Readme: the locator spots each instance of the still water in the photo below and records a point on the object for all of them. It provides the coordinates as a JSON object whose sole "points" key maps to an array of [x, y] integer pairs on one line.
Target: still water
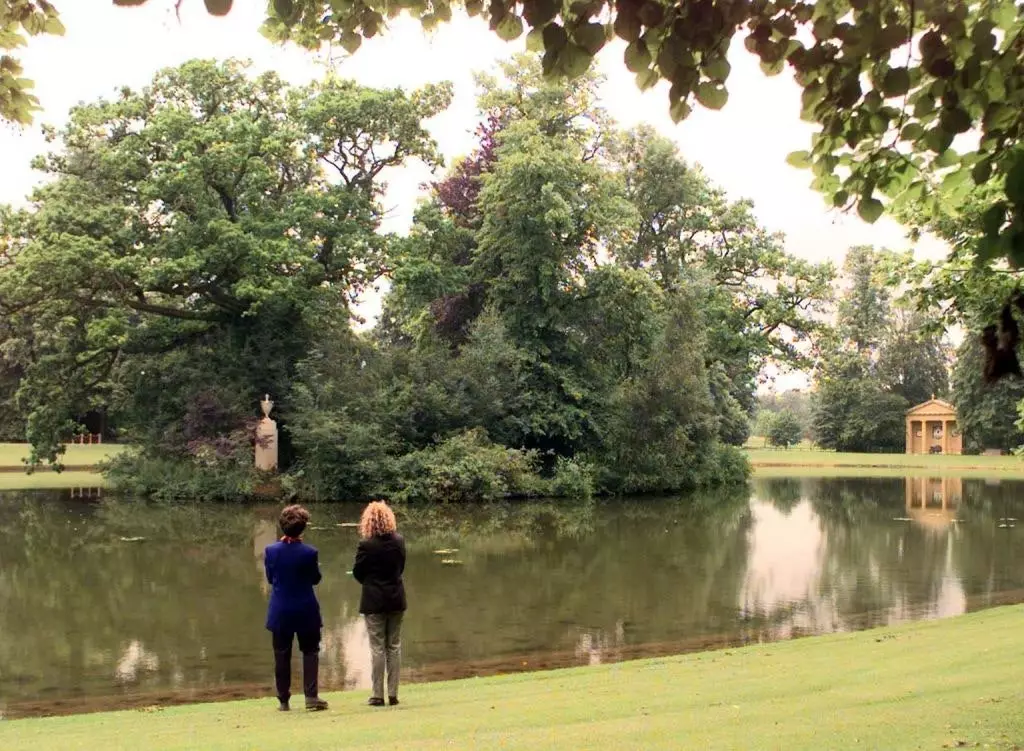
{"points": [[109, 603]]}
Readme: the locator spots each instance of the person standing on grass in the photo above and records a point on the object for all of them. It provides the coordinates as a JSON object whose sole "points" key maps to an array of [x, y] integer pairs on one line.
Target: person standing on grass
{"points": [[293, 569], [380, 562]]}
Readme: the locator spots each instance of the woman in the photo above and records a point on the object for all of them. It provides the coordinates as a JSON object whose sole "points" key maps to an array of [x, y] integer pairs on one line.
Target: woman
{"points": [[380, 561], [293, 569]]}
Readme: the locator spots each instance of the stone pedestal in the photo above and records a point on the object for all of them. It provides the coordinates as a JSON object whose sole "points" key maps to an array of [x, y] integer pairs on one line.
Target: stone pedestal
{"points": [[266, 439]]}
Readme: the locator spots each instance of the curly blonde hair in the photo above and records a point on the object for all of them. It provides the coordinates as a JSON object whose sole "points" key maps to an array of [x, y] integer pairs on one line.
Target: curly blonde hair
{"points": [[377, 520]]}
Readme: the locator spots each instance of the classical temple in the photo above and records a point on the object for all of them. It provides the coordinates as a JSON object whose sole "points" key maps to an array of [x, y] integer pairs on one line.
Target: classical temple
{"points": [[932, 429]]}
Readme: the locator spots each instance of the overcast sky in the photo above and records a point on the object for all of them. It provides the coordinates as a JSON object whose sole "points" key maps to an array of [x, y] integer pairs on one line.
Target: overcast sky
{"points": [[742, 148]]}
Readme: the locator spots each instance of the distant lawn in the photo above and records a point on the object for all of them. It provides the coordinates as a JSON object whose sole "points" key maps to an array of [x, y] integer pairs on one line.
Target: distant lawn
{"points": [[50, 481], [760, 442], [13, 454], [800, 461]]}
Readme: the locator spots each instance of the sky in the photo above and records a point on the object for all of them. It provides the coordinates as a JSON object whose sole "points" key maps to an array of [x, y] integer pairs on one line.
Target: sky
{"points": [[742, 148]]}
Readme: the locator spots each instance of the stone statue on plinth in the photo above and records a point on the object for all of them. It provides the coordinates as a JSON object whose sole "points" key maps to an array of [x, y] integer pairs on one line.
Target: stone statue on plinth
{"points": [[266, 439]]}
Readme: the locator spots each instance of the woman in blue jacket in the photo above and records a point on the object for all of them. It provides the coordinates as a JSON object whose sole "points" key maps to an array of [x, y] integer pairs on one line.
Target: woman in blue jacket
{"points": [[293, 569]]}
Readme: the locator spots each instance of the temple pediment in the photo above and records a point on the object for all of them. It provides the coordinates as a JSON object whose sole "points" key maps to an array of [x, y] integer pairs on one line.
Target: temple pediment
{"points": [[932, 408]]}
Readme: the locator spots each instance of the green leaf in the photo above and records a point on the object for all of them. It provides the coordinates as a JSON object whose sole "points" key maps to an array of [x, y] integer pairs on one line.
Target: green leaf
{"points": [[1015, 182], [284, 9], [637, 57], [799, 159], [573, 61], [912, 131], [54, 26], [350, 42], [679, 110], [947, 158], [712, 95], [535, 40], [896, 82], [717, 69], [993, 218], [509, 28], [540, 12], [982, 171], [645, 79], [870, 209], [590, 37], [955, 120]]}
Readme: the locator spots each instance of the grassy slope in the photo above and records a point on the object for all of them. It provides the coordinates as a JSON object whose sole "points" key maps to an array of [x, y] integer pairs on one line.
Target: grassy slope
{"points": [[924, 685]]}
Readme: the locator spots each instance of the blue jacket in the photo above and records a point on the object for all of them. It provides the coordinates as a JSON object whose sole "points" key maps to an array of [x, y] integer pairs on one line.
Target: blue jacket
{"points": [[293, 568]]}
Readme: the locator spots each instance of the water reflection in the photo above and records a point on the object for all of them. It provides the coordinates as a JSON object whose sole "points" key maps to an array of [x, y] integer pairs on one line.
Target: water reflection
{"points": [[113, 603]]}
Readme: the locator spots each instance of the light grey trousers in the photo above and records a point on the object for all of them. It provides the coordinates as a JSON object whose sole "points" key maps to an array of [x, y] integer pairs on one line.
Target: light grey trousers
{"points": [[385, 630]]}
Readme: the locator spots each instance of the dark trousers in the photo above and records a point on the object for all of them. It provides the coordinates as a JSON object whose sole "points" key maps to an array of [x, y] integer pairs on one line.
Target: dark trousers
{"points": [[309, 645]]}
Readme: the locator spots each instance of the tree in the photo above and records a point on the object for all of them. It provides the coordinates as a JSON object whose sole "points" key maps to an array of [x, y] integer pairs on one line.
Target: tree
{"points": [[887, 117], [771, 302], [853, 412], [881, 360], [785, 430], [19, 18], [912, 360], [194, 239], [987, 414]]}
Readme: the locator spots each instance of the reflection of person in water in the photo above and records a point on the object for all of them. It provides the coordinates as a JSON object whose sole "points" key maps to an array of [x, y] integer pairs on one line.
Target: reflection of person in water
{"points": [[264, 533], [293, 569], [380, 561]]}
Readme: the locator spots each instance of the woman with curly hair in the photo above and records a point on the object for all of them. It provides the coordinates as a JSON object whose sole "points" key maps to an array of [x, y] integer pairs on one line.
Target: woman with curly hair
{"points": [[380, 561]]}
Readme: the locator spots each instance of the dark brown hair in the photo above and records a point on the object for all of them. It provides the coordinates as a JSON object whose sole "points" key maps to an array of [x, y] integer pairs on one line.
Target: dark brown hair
{"points": [[293, 520]]}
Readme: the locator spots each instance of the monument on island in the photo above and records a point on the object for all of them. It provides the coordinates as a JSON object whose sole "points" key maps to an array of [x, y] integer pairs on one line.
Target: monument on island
{"points": [[266, 438]]}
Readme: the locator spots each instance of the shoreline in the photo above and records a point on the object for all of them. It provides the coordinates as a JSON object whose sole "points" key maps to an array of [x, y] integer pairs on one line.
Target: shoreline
{"points": [[925, 684]]}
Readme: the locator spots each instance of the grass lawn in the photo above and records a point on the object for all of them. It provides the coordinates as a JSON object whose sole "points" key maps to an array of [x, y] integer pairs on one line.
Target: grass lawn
{"points": [[810, 461], [927, 685], [50, 481], [12, 454]]}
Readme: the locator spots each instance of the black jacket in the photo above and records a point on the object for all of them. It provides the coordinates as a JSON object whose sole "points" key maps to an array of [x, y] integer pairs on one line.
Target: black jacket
{"points": [[379, 564]]}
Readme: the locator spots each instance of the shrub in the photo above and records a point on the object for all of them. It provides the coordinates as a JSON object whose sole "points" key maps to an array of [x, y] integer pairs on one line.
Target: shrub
{"points": [[467, 467]]}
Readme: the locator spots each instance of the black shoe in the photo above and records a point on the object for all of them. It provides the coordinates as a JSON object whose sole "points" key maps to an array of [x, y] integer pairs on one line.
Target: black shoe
{"points": [[393, 700], [315, 705], [375, 702], [283, 707]]}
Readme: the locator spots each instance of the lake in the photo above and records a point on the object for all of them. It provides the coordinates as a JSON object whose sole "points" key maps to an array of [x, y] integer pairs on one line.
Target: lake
{"points": [[109, 604]]}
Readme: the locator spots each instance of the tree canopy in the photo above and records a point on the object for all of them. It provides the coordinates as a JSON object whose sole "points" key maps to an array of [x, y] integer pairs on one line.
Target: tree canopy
{"points": [[891, 86], [575, 309]]}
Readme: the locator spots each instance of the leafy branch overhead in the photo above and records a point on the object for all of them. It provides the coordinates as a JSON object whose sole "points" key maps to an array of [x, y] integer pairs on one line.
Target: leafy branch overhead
{"points": [[891, 84]]}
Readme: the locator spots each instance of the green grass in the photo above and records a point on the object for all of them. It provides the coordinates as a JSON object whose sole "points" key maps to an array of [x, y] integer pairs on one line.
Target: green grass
{"points": [[13, 454], [50, 480], [797, 462], [926, 685]]}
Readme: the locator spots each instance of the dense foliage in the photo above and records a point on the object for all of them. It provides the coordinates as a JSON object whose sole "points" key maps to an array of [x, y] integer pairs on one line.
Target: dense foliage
{"points": [[890, 85], [575, 310], [884, 359]]}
